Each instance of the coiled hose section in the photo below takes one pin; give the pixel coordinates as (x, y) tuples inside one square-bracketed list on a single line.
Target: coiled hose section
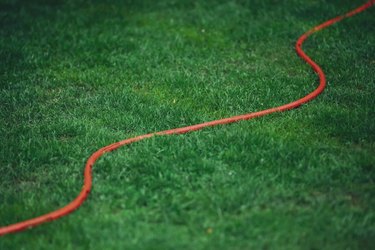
[(73, 205)]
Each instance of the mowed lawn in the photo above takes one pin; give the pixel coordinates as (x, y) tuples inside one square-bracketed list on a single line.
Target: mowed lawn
[(77, 75)]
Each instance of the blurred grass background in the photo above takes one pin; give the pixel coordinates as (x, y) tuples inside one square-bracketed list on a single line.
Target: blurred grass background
[(78, 75)]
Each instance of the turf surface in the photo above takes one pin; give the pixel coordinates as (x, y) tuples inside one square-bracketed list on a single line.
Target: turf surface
[(78, 75)]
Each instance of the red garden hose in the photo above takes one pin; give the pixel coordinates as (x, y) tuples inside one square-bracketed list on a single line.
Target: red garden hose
[(94, 157)]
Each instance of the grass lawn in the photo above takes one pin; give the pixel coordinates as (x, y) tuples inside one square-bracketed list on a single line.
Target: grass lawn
[(77, 75)]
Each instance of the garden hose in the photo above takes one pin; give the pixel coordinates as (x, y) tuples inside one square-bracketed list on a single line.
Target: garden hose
[(73, 205)]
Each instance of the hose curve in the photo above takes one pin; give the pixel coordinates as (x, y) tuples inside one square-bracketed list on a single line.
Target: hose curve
[(73, 205)]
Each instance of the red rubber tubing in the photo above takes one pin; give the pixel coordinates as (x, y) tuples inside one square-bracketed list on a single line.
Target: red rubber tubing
[(73, 205)]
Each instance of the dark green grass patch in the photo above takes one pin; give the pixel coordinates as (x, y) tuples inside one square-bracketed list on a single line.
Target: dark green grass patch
[(78, 75)]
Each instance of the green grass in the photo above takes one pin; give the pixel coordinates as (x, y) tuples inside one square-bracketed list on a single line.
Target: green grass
[(78, 75)]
